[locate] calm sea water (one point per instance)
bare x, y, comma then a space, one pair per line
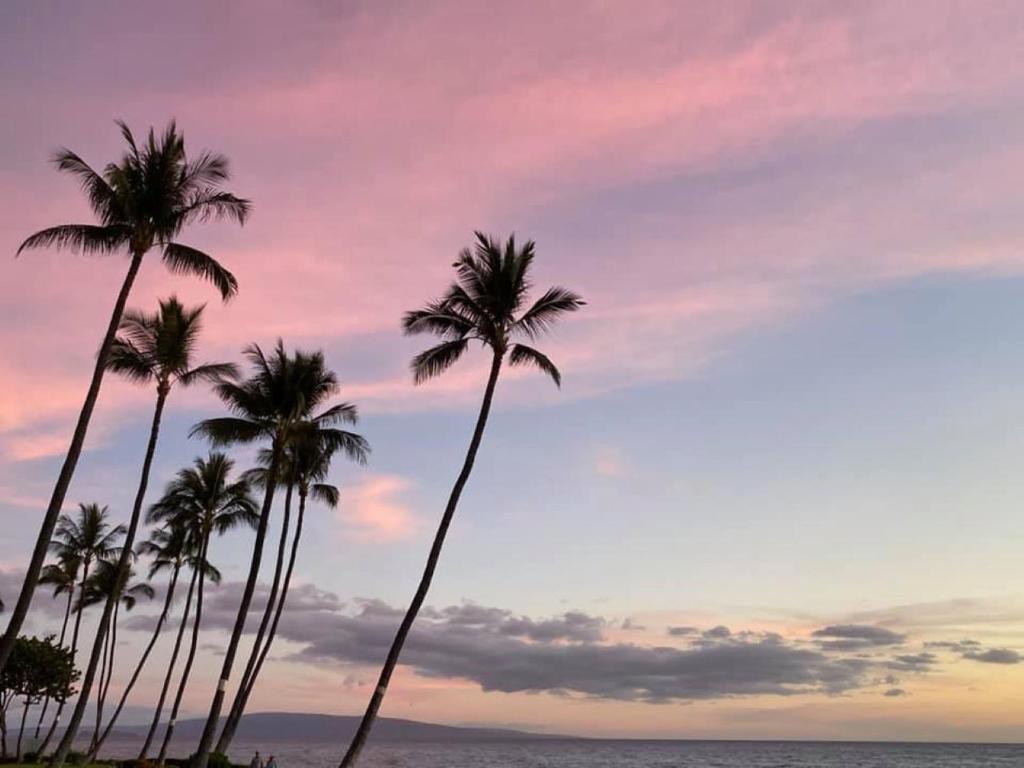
687, 754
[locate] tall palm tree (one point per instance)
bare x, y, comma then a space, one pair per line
259, 477
63, 577
307, 462
203, 500
483, 304
282, 392
103, 583
169, 549
143, 201
87, 538
212, 574
150, 349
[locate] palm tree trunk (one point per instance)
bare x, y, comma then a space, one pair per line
170, 667
21, 731
138, 667
99, 689
67, 469
123, 565
248, 676
203, 751
191, 653
228, 735
63, 634
363, 732
3, 731
105, 684
74, 655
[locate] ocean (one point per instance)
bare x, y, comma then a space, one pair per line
647, 754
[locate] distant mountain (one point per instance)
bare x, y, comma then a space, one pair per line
338, 729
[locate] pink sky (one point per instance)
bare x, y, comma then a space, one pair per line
697, 171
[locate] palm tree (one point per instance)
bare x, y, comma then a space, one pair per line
483, 304
169, 549
205, 502
155, 349
103, 583
260, 477
63, 577
307, 461
142, 202
283, 392
86, 539
214, 575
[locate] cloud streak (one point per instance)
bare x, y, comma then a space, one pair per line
571, 654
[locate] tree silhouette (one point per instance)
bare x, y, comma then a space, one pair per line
482, 305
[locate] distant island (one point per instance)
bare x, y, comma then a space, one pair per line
337, 729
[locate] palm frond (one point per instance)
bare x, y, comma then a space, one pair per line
524, 355
208, 204
126, 133
127, 360
436, 360
342, 413
78, 238
325, 493
555, 302
207, 169
212, 573
439, 318
210, 373
183, 259
102, 198
356, 447
226, 430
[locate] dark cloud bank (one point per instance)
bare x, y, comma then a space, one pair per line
570, 654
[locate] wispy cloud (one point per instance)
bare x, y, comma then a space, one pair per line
375, 510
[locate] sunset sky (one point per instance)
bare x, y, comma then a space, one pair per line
780, 491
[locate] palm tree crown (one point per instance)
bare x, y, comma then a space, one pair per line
172, 546
102, 583
62, 575
144, 201
202, 500
87, 537
282, 394
309, 461
159, 347
483, 304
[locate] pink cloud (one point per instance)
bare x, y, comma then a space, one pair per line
374, 510
609, 461
370, 162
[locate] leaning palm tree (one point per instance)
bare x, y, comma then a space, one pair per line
483, 305
103, 583
283, 392
169, 549
204, 501
86, 538
63, 577
142, 202
259, 477
150, 349
212, 574
307, 461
